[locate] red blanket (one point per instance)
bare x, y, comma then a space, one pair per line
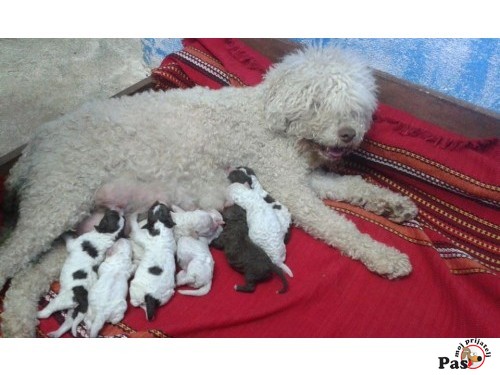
453, 245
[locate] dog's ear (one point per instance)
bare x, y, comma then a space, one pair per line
286, 94
465, 353
274, 108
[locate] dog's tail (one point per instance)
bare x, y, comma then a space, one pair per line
278, 271
197, 292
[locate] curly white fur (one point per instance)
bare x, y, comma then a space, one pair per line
313, 95
283, 214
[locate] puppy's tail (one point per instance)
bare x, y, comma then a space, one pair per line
197, 292
278, 271
285, 268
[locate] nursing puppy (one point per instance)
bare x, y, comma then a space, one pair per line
264, 227
194, 232
78, 274
247, 175
197, 264
154, 280
195, 223
108, 297
313, 107
242, 254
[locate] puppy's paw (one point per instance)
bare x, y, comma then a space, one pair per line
396, 208
390, 263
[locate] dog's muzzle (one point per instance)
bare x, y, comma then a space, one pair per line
332, 153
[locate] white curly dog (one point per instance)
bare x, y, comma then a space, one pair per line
311, 108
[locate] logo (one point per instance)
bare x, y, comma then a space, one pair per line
470, 355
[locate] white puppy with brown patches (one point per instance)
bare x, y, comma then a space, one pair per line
154, 280
78, 273
193, 252
108, 297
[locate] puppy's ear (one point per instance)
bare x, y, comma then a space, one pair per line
165, 216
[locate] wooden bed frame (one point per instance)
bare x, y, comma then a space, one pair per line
452, 114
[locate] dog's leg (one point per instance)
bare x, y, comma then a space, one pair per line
46, 211
21, 299
355, 190
310, 213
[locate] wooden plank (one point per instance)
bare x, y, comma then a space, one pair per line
8, 160
143, 85
450, 113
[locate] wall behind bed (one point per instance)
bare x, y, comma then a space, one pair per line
467, 69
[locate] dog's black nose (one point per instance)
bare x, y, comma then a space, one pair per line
479, 358
346, 134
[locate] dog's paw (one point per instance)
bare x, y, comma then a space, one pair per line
390, 263
398, 208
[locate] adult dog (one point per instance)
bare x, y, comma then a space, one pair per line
311, 108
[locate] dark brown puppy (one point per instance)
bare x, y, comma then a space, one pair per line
242, 254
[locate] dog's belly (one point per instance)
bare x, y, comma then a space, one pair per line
169, 154
188, 192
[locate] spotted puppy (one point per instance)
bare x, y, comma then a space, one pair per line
247, 175
264, 227
193, 252
78, 274
242, 254
154, 280
108, 297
